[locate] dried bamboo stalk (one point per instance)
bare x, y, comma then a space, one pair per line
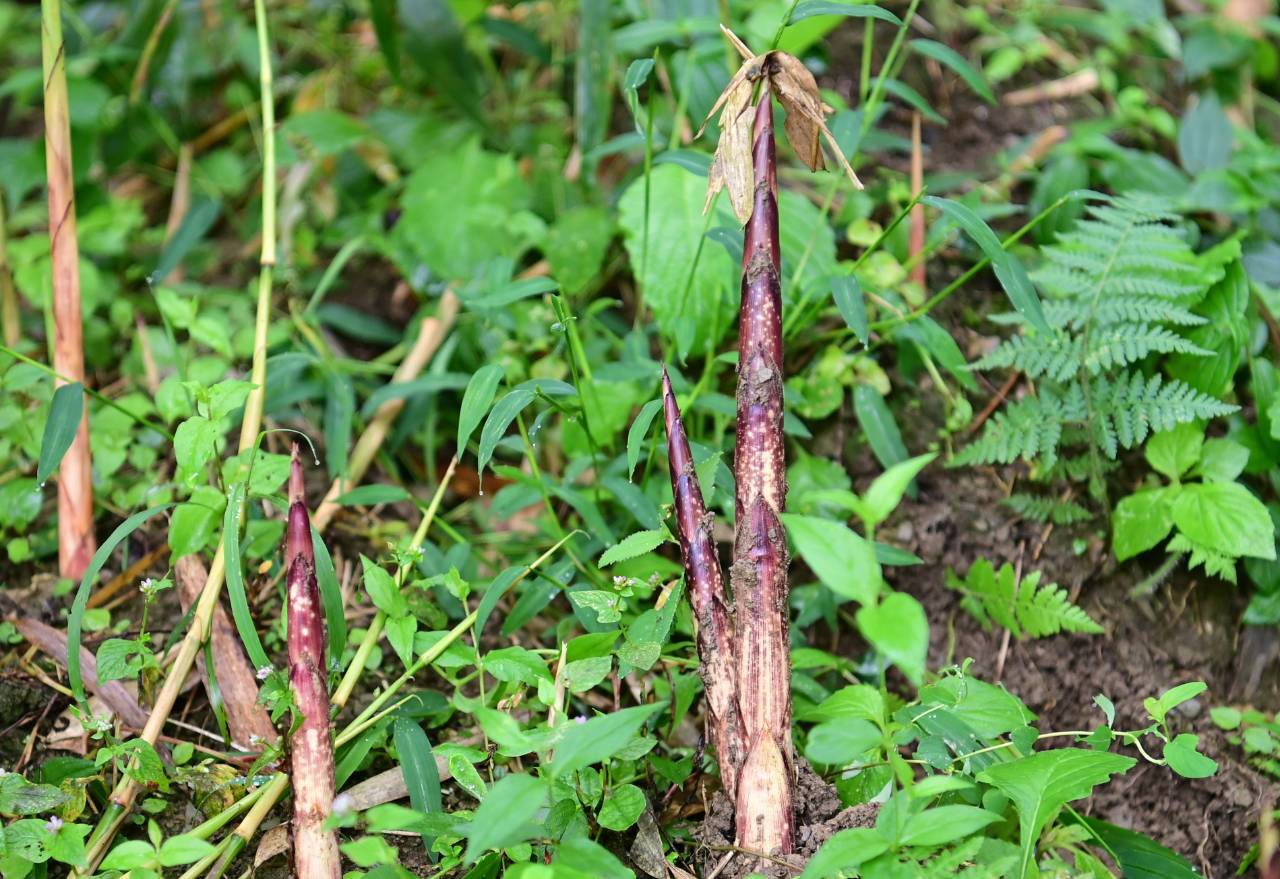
76, 543
706, 594
315, 849
758, 575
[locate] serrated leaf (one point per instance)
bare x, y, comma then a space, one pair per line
633, 545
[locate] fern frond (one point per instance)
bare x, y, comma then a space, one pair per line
1215, 563
1056, 356
1024, 607
1028, 429
1124, 310
1122, 345
1126, 410
1039, 508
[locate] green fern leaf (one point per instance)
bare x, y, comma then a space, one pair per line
1024, 607
1047, 509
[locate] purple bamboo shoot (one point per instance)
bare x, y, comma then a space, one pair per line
706, 594
316, 853
759, 573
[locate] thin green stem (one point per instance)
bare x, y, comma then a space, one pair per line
872, 103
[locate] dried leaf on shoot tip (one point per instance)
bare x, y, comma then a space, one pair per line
806, 113
731, 168
737, 43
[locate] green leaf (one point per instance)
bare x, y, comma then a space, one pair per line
1226, 717
114, 657
683, 282
810, 8
240, 611
637, 73
844, 561
127, 855
899, 630
1184, 759
1009, 270
1225, 517
194, 445
886, 491
495, 426
847, 293
371, 495
196, 223
330, 594
400, 633
943, 824
1140, 522
638, 431
182, 849
962, 68
476, 401
75, 620
516, 664
1173, 697
382, 589
1205, 136
66, 410
633, 545
421, 775
1041, 784
1174, 452
511, 293
1139, 857
841, 742
622, 807
845, 851
20, 797
1222, 460
460, 205
387, 29
877, 423
505, 817
598, 739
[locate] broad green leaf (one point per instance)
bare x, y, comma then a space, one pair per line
116, 659
194, 444
460, 205
1174, 452
1042, 783
505, 817
1226, 518
844, 852
1140, 522
633, 545
1222, 460
1008, 269
476, 401
683, 282
66, 410
1140, 857
847, 293
622, 807
598, 739
844, 561
857, 701
943, 824
638, 431
20, 797
810, 8
899, 630
1184, 759
886, 491
516, 664
128, 854
1205, 136
182, 849
950, 58
841, 742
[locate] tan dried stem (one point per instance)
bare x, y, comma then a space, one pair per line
76, 542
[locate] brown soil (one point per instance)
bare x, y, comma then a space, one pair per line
818, 815
1187, 631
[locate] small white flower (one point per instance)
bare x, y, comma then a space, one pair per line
264, 672
3, 772
619, 581
53, 825
148, 584
343, 804
581, 718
